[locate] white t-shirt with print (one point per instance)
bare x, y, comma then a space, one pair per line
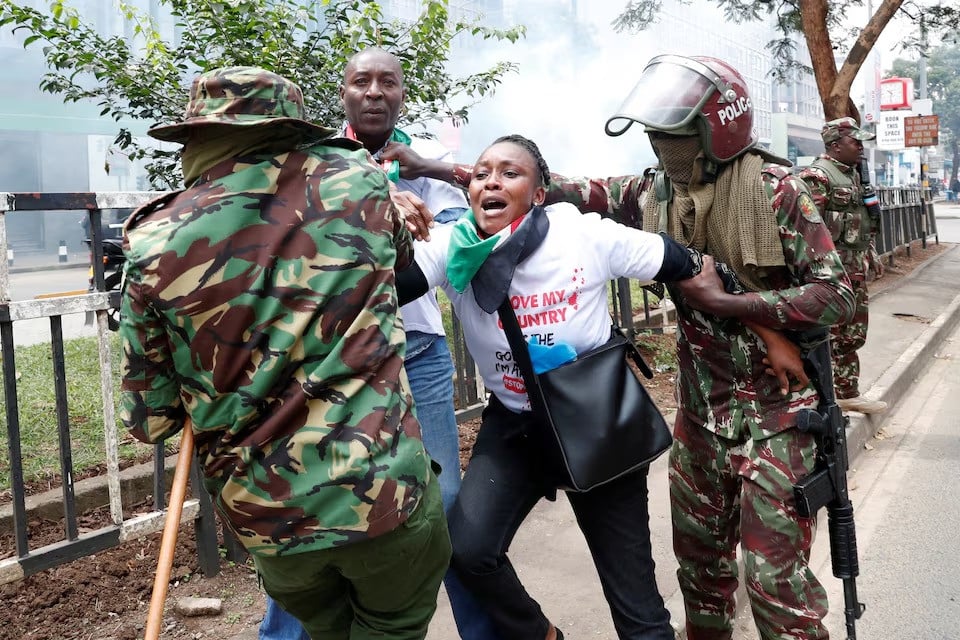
559, 292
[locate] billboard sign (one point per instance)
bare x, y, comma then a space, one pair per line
921, 131
890, 130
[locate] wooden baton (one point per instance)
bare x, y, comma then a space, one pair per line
171, 527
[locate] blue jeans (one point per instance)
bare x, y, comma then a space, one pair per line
430, 371
277, 624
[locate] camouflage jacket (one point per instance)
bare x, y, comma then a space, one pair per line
722, 384
261, 303
836, 189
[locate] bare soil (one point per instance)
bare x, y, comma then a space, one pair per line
106, 597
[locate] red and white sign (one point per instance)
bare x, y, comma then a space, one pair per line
896, 93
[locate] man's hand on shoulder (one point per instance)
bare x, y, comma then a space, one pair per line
412, 164
414, 211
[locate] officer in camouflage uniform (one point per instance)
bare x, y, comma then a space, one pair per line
737, 451
260, 304
836, 187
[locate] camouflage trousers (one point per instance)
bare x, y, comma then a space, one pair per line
724, 493
846, 339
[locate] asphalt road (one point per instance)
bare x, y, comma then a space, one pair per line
906, 493
907, 500
24, 286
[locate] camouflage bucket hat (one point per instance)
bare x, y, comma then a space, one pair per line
836, 129
242, 97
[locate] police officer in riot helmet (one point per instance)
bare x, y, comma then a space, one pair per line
737, 451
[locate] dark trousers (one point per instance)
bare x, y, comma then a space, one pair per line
502, 484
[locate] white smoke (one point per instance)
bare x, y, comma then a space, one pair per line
573, 75
575, 71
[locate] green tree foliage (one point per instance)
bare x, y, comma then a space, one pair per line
142, 76
825, 25
943, 88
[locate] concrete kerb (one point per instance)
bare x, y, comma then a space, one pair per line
136, 483
48, 267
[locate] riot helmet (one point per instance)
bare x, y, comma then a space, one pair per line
691, 96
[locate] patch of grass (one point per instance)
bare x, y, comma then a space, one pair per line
661, 348
36, 399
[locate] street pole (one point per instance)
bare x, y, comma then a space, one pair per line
872, 150
922, 77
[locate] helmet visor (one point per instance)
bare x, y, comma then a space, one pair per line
667, 97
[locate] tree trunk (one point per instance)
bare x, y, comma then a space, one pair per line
834, 86
813, 18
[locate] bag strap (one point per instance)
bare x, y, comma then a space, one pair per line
663, 189
634, 352
521, 355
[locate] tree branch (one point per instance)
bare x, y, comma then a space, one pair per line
858, 53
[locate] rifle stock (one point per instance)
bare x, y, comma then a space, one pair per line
826, 486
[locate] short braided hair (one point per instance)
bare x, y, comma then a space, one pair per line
531, 147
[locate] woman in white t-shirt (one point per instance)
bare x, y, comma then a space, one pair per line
559, 293
554, 264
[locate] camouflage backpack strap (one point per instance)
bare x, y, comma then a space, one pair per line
663, 190
656, 179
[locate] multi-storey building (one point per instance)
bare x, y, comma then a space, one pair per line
797, 113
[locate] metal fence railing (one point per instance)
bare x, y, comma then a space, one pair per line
27, 560
906, 218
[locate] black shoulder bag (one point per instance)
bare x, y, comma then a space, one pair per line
597, 421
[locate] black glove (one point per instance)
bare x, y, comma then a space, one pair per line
731, 283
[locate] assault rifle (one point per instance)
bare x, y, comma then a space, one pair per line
826, 486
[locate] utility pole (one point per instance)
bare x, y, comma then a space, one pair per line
922, 77
871, 151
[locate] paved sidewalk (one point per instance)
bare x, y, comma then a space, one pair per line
907, 323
